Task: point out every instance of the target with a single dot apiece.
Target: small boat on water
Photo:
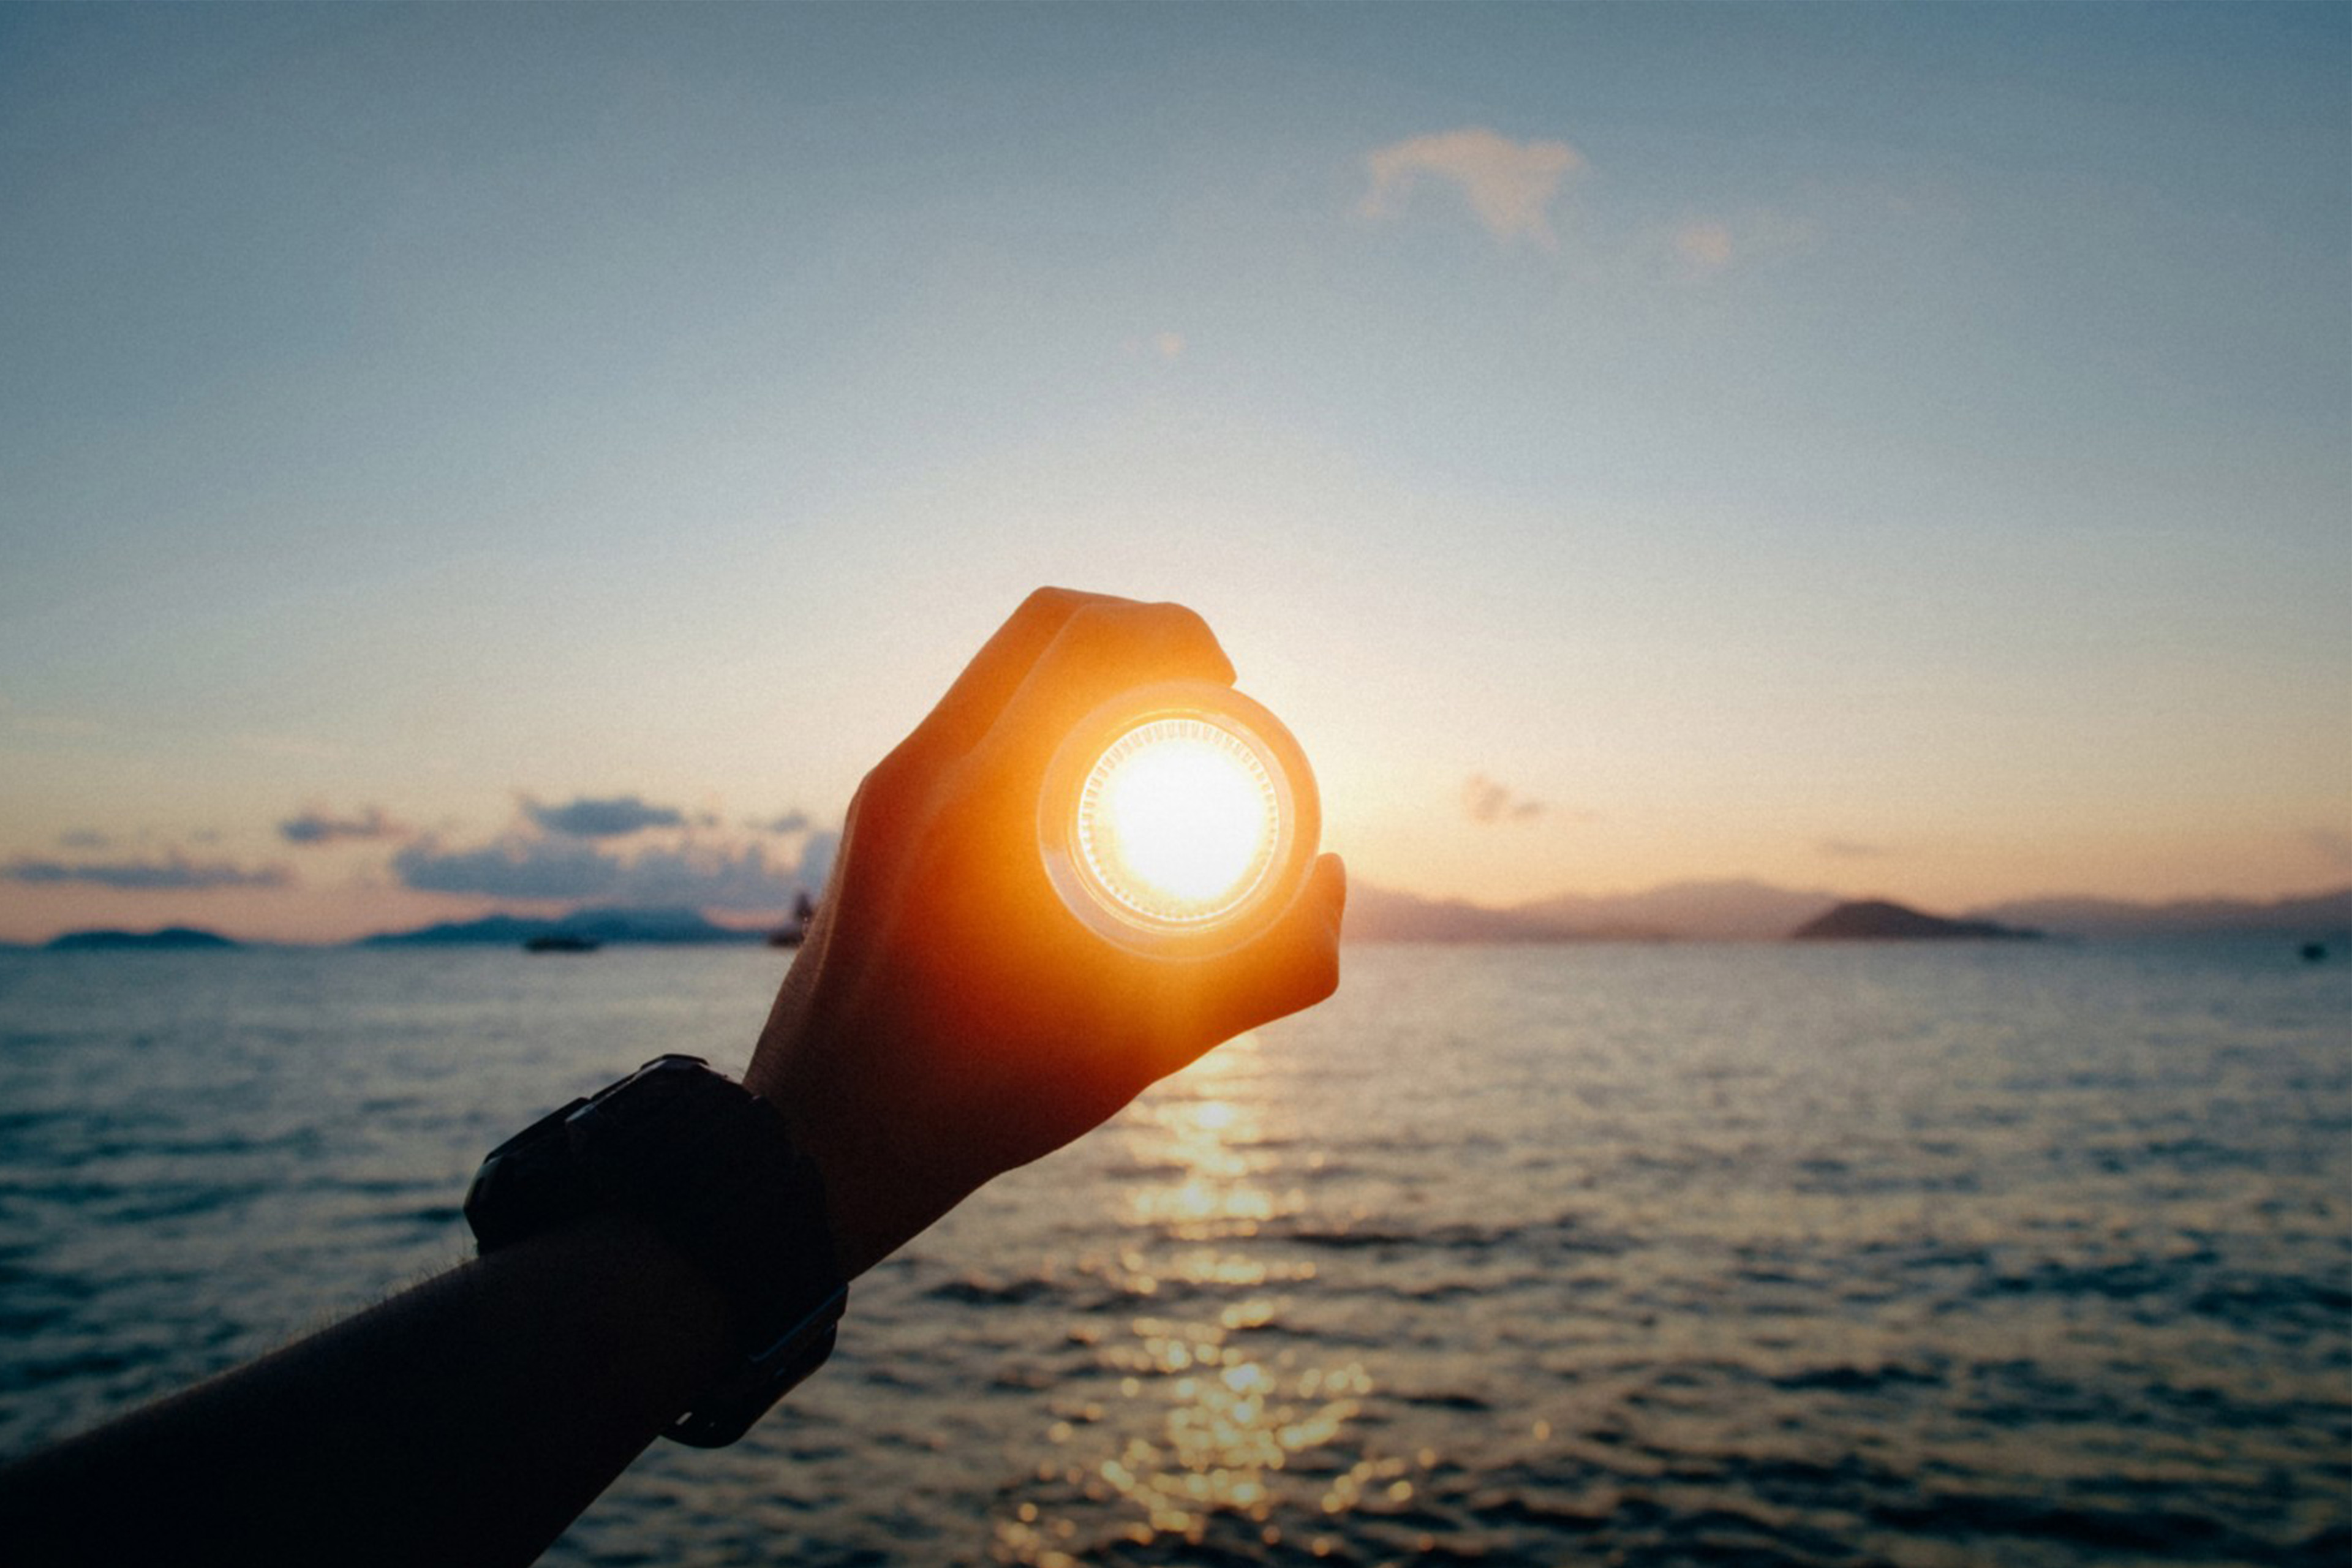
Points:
(794, 931)
(559, 941)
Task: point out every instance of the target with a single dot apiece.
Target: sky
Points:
(461, 458)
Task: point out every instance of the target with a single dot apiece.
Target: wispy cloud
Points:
(789, 822)
(1510, 186)
(1705, 247)
(1488, 803)
(613, 818)
(83, 838)
(315, 826)
(174, 872)
(1160, 345)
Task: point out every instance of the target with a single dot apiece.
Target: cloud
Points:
(564, 871)
(83, 838)
(316, 827)
(1509, 185)
(790, 822)
(1164, 345)
(1488, 803)
(1706, 246)
(514, 867)
(1851, 849)
(174, 872)
(751, 877)
(587, 818)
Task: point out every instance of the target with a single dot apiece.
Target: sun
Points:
(1177, 821)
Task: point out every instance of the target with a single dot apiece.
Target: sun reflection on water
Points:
(1209, 1409)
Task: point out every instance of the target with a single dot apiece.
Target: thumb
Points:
(1295, 964)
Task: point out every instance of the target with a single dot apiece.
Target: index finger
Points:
(1103, 649)
(957, 720)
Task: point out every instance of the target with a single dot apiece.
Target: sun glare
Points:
(1178, 820)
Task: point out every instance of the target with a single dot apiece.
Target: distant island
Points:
(1733, 910)
(2327, 916)
(1747, 910)
(1729, 910)
(669, 926)
(1877, 919)
(172, 938)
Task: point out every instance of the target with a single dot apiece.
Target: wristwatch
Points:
(713, 1169)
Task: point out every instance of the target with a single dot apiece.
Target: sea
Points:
(1774, 1254)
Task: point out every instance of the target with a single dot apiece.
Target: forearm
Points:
(469, 1420)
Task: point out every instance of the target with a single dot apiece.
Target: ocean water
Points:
(1610, 1254)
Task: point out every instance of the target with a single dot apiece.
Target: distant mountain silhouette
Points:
(2313, 915)
(1876, 919)
(1726, 910)
(1383, 914)
(1742, 910)
(673, 926)
(1729, 911)
(171, 938)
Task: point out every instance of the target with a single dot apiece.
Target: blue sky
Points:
(1886, 449)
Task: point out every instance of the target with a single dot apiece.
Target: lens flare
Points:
(1177, 820)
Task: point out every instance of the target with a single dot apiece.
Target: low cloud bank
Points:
(319, 826)
(755, 877)
(589, 818)
(175, 872)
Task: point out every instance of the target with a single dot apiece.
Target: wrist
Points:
(711, 1170)
(882, 1189)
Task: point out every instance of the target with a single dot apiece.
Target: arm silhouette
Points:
(944, 1022)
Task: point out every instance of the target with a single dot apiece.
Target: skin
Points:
(946, 1020)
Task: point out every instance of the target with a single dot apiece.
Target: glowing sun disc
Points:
(1177, 821)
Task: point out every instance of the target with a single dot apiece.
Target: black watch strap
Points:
(713, 1169)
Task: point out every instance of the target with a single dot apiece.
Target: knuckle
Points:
(1181, 622)
(885, 785)
(1049, 602)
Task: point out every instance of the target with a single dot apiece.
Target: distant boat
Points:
(2314, 953)
(794, 931)
(559, 941)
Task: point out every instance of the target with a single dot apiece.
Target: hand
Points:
(947, 1018)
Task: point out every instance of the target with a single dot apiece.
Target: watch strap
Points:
(713, 1169)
